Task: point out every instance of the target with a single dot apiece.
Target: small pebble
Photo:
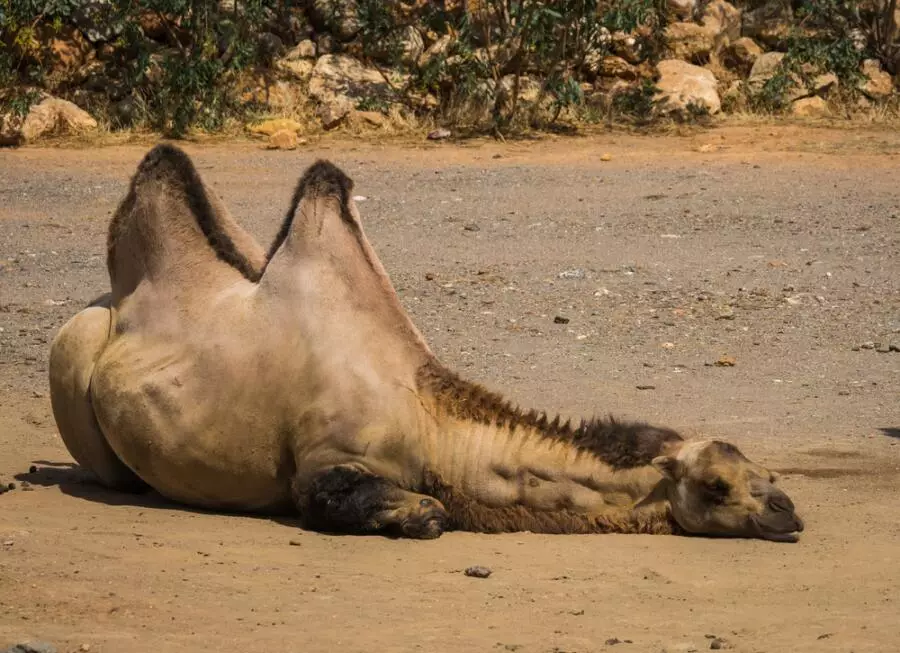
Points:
(606, 156)
(439, 134)
(295, 543)
(560, 320)
(478, 572)
(645, 387)
(472, 227)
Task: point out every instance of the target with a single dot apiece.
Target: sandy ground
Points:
(777, 247)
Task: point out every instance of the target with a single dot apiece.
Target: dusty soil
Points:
(776, 247)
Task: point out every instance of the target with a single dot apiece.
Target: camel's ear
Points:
(322, 199)
(669, 466)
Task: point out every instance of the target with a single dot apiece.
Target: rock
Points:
(682, 85)
(31, 647)
(305, 49)
(96, 20)
(810, 107)
(11, 130)
(340, 83)
(269, 127)
(124, 112)
(560, 320)
(764, 68)
(278, 95)
(372, 118)
(338, 17)
(472, 227)
(439, 134)
(824, 83)
(64, 50)
(529, 91)
(298, 68)
(436, 50)
(723, 19)
(598, 65)
(405, 46)
(606, 156)
(769, 23)
(725, 361)
(55, 116)
(627, 46)
(269, 47)
(478, 572)
(574, 273)
(867, 345)
(283, 139)
(689, 41)
(681, 9)
(878, 84)
(742, 54)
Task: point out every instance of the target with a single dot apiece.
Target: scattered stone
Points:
(645, 387)
(339, 17)
(765, 67)
(54, 116)
(884, 348)
(429, 276)
(742, 54)
(560, 320)
(867, 345)
(723, 19)
(716, 644)
(612, 641)
(439, 134)
(878, 84)
(599, 65)
(295, 543)
(606, 156)
(811, 107)
(340, 83)
(478, 572)
(681, 9)
(298, 68)
(574, 273)
(843, 393)
(269, 127)
(283, 139)
(725, 361)
(689, 41)
(31, 647)
(472, 227)
(683, 86)
(305, 49)
(372, 118)
(85, 648)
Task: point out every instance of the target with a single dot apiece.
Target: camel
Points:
(292, 381)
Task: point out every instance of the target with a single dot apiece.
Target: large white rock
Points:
(340, 83)
(55, 116)
(682, 85)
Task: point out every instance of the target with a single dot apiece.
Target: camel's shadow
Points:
(891, 432)
(73, 480)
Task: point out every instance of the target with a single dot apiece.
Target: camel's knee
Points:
(346, 499)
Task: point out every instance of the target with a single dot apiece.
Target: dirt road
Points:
(778, 248)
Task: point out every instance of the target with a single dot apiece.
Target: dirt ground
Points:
(776, 247)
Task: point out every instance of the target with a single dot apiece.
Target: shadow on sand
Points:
(891, 432)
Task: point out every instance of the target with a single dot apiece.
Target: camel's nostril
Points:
(780, 502)
(800, 525)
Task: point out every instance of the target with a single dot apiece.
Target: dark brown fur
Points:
(172, 167)
(321, 179)
(620, 445)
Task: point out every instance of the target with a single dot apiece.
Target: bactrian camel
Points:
(292, 381)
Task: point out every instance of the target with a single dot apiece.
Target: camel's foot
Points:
(348, 500)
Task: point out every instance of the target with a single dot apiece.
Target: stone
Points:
(31, 647)
(96, 20)
(337, 17)
(598, 65)
(627, 46)
(682, 85)
(55, 116)
(372, 118)
(769, 23)
(529, 91)
(810, 107)
(305, 49)
(439, 134)
(283, 139)
(269, 46)
(681, 9)
(765, 68)
(878, 84)
(64, 50)
(689, 41)
(824, 83)
(405, 46)
(270, 127)
(11, 130)
(478, 572)
(340, 83)
(742, 54)
(438, 49)
(298, 68)
(722, 18)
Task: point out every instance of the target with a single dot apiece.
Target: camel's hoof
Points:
(427, 526)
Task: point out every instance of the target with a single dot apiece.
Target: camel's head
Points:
(715, 490)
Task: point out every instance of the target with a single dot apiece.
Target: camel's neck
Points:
(497, 469)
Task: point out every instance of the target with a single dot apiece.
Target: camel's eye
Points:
(717, 488)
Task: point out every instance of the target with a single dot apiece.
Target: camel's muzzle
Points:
(779, 522)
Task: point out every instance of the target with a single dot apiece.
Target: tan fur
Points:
(231, 379)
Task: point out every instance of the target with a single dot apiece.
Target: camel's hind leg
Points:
(72, 357)
(348, 500)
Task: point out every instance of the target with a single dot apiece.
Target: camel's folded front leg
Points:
(347, 500)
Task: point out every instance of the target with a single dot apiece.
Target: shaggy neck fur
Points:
(498, 468)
